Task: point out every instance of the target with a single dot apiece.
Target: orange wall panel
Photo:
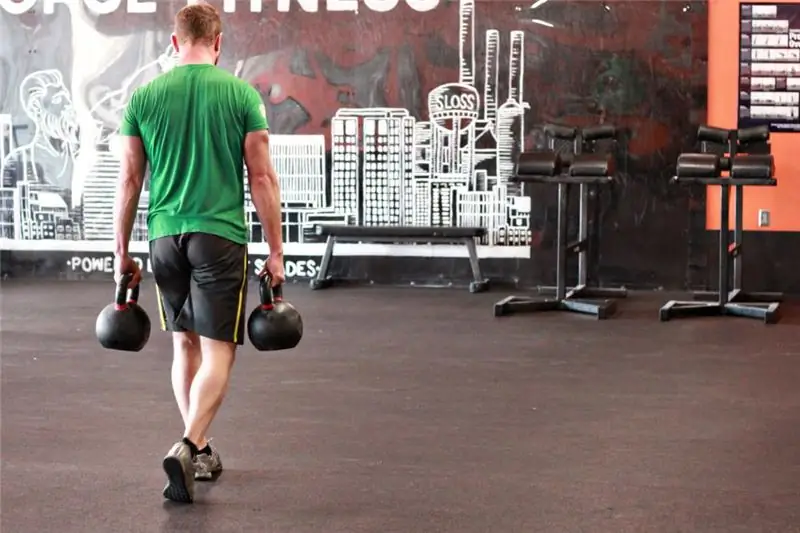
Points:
(782, 201)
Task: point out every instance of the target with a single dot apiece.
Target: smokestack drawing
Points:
(466, 42)
(515, 66)
(509, 117)
(491, 75)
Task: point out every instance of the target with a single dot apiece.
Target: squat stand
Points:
(582, 289)
(724, 305)
(563, 301)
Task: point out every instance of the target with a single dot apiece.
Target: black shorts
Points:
(201, 280)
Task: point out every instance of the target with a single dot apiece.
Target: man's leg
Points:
(209, 387)
(218, 294)
(172, 273)
(186, 359)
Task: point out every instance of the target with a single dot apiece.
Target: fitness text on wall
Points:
(105, 7)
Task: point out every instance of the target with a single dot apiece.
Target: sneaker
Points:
(207, 467)
(179, 467)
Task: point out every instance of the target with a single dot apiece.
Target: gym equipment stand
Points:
(751, 140)
(585, 143)
(723, 306)
(563, 301)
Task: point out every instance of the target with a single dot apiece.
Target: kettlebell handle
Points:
(122, 296)
(269, 295)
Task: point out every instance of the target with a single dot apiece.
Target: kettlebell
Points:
(123, 325)
(275, 324)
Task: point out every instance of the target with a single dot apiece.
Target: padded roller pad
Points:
(406, 232)
(599, 132)
(712, 134)
(698, 166)
(756, 134)
(565, 133)
(538, 164)
(592, 165)
(752, 166)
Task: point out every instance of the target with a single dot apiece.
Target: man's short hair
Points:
(198, 23)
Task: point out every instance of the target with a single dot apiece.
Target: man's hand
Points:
(125, 264)
(273, 267)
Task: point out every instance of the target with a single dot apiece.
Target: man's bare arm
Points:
(264, 188)
(129, 188)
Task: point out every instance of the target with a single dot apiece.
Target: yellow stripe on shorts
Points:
(240, 305)
(162, 314)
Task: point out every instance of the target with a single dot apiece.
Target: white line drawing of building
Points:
(377, 144)
(441, 186)
(345, 166)
(35, 211)
(99, 190)
(299, 161)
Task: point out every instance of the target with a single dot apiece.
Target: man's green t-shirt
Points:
(192, 122)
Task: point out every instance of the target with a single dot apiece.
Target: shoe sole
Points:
(176, 490)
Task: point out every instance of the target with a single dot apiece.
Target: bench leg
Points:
(479, 283)
(322, 281)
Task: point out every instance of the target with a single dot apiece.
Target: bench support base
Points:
(324, 281)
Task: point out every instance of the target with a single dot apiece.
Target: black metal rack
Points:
(575, 169)
(564, 300)
(737, 143)
(723, 305)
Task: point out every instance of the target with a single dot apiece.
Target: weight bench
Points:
(583, 170)
(745, 170)
(395, 234)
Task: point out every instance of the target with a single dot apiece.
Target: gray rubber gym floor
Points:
(410, 411)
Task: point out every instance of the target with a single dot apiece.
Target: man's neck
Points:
(195, 56)
(194, 60)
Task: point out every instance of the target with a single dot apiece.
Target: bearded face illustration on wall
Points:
(54, 140)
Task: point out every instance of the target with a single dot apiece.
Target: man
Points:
(193, 125)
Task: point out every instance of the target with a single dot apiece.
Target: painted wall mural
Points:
(382, 112)
(386, 166)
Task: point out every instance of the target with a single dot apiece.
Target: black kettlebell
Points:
(274, 324)
(123, 325)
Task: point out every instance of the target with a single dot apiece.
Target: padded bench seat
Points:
(406, 233)
(395, 234)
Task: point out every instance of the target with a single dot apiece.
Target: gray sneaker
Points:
(179, 467)
(208, 467)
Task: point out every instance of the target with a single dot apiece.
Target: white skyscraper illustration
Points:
(388, 147)
(423, 136)
(384, 139)
(345, 166)
(299, 161)
(99, 191)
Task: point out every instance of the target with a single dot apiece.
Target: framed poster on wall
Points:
(769, 66)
